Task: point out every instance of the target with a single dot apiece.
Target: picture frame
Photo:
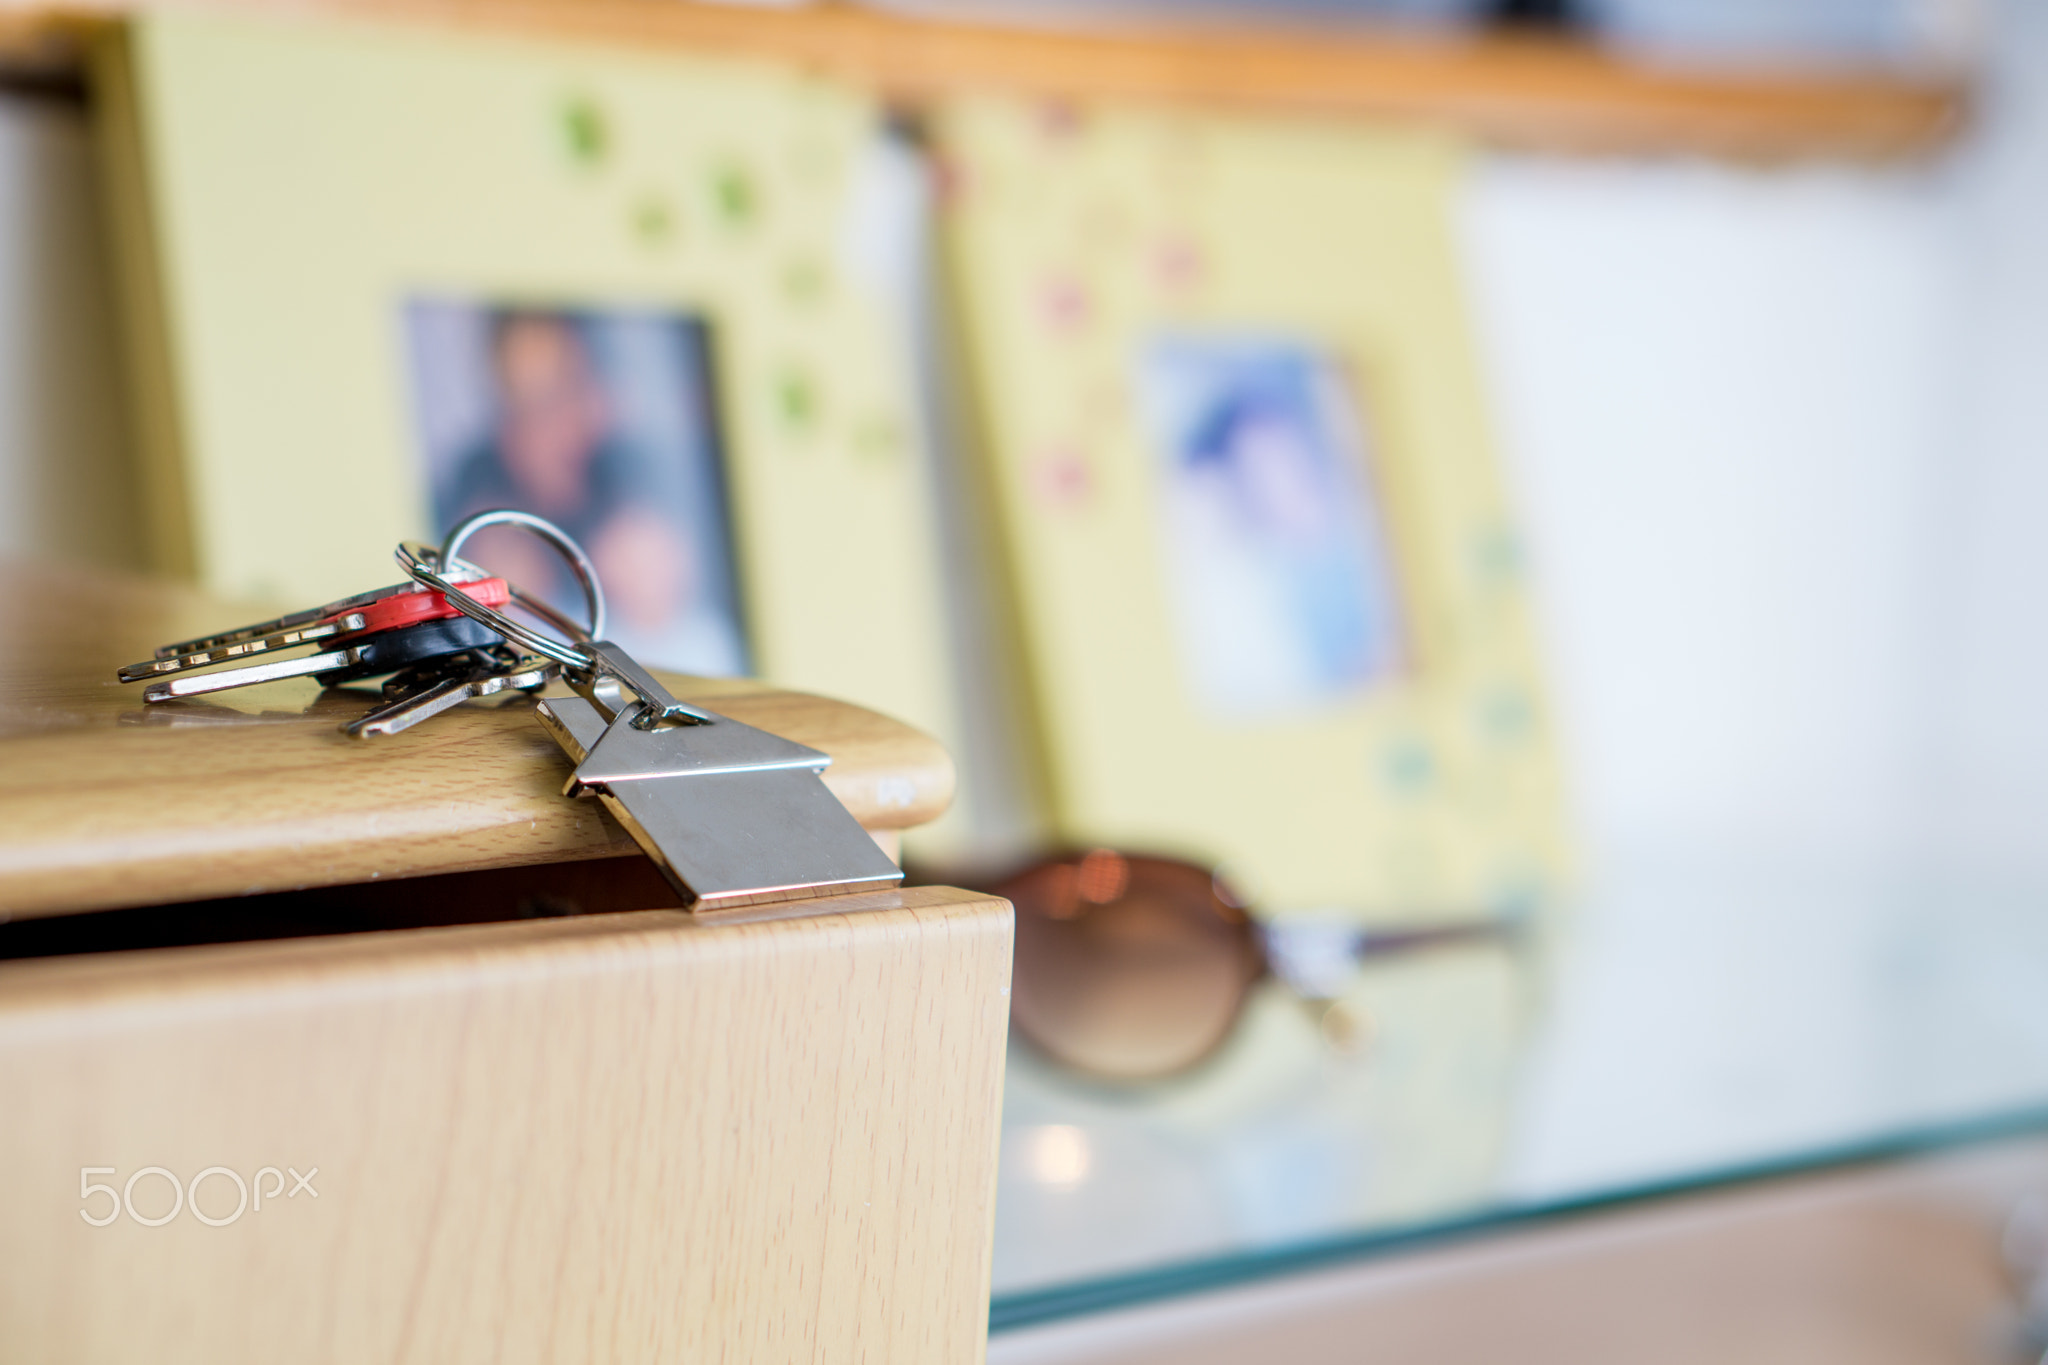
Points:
(1269, 591)
(288, 192)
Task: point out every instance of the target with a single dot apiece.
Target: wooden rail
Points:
(1514, 92)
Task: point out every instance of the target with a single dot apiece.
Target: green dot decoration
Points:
(878, 439)
(1506, 717)
(653, 221)
(1498, 555)
(796, 399)
(586, 132)
(736, 196)
(1516, 897)
(805, 281)
(1407, 767)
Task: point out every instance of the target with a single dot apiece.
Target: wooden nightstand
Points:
(553, 1118)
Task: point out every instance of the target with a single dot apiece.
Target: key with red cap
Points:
(462, 574)
(337, 627)
(360, 655)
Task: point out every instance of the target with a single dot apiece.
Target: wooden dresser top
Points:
(106, 803)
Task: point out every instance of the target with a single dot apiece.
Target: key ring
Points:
(424, 564)
(585, 668)
(579, 563)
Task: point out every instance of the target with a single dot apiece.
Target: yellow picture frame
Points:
(1077, 238)
(283, 188)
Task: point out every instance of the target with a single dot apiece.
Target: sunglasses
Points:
(1135, 968)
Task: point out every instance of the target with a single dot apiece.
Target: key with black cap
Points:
(426, 690)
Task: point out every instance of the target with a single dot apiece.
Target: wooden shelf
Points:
(1519, 93)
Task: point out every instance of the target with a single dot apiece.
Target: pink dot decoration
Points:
(949, 180)
(1058, 120)
(1064, 302)
(1061, 479)
(1177, 264)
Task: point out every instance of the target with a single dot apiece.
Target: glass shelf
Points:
(1697, 1019)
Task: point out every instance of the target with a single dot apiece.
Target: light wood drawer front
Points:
(613, 1138)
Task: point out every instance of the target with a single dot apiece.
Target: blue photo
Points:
(1282, 583)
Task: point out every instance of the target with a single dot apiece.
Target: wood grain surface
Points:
(616, 1138)
(1546, 94)
(107, 802)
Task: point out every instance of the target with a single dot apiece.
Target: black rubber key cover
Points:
(387, 651)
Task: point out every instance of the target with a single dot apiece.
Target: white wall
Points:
(1781, 441)
(1717, 393)
(1990, 640)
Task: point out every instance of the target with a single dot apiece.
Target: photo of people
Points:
(602, 422)
(1282, 583)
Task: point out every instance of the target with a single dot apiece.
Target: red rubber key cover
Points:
(411, 608)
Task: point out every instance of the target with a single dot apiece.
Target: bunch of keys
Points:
(434, 655)
(733, 816)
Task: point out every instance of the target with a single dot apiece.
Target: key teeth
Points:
(485, 676)
(232, 651)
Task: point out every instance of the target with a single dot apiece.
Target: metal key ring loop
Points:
(579, 562)
(415, 561)
(419, 562)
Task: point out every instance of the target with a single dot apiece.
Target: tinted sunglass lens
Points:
(1127, 968)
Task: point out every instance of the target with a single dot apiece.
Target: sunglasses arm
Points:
(1317, 958)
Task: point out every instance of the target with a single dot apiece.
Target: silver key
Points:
(200, 684)
(241, 646)
(430, 695)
